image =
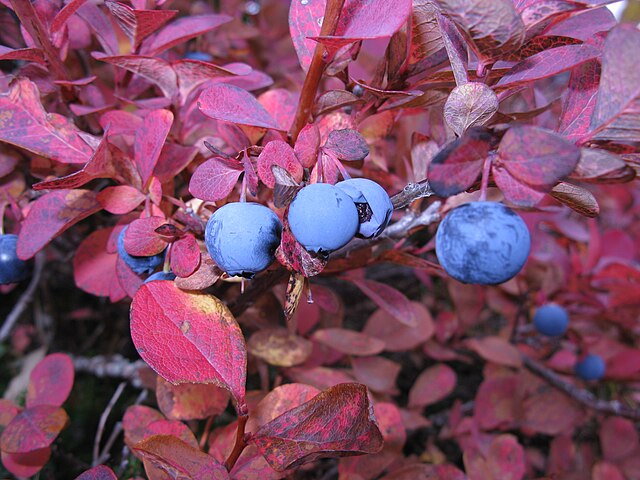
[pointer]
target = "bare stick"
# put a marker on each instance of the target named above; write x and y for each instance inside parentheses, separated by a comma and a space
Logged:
(113, 366)
(103, 421)
(25, 298)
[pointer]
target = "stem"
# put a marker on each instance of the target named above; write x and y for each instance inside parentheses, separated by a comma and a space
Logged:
(205, 433)
(312, 80)
(103, 422)
(240, 444)
(486, 170)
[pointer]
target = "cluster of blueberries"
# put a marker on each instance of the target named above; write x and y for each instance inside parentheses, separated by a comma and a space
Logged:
(552, 320)
(143, 265)
(242, 237)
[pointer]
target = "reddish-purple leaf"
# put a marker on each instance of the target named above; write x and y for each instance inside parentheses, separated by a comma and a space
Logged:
(34, 428)
(120, 199)
(584, 26)
(141, 238)
(149, 140)
(337, 422)
(618, 105)
(457, 166)
(279, 347)
(185, 256)
(182, 30)
(456, 49)
(200, 341)
(548, 63)
(319, 377)
(398, 337)
(389, 299)
(138, 24)
(24, 465)
(497, 403)
(377, 373)
(101, 472)
(504, 459)
(281, 154)
(349, 342)
(26, 124)
(539, 44)
(52, 214)
(25, 54)
(537, 157)
(63, 15)
(295, 257)
(347, 144)
(189, 401)
(537, 15)
(469, 105)
(580, 100)
(192, 73)
(432, 385)
(618, 438)
(281, 105)
(94, 268)
(214, 179)
(51, 381)
(235, 105)
(601, 166)
(497, 350)
(307, 145)
(135, 422)
(278, 401)
(178, 459)
(153, 69)
(514, 190)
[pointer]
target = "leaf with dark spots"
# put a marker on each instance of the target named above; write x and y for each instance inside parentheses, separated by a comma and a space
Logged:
(347, 145)
(618, 105)
(426, 38)
(101, 472)
(337, 422)
(295, 258)
(52, 214)
(468, 105)
(580, 100)
(537, 157)
(285, 186)
(456, 49)
(577, 198)
(279, 347)
(548, 63)
(24, 123)
(457, 166)
(539, 44)
(493, 27)
(278, 153)
(278, 401)
(33, 428)
(515, 191)
(200, 341)
(293, 294)
(214, 180)
(539, 14)
(25, 465)
(333, 100)
(51, 381)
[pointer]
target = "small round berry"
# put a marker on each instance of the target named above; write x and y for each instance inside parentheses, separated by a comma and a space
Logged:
(12, 269)
(161, 276)
(323, 218)
(591, 367)
(373, 204)
(138, 264)
(551, 320)
(242, 237)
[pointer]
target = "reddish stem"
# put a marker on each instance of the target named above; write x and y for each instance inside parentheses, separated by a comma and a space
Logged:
(240, 444)
(484, 185)
(205, 433)
(318, 64)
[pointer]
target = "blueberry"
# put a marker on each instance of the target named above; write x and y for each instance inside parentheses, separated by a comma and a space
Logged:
(323, 218)
(12, 269)
(591, 367)
(373, 204)
(484, 243)
(242, 238)
(139, 265)
(161, 276)
(551, 320)
(202, 56)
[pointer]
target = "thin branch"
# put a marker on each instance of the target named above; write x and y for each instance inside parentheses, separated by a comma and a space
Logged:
(25, 298)
(580, 395)
(411, 193)
(316, 69)
(113, 366)
(103, 421)
(239, 446)
(205, 434)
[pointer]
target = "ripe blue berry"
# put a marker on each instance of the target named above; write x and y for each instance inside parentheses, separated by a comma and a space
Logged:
(12, 269)
(242, 238)
(139, 265)
(323, 218)
(484, 243)
(591, 367)
(373, 204)
(161, 276)
(551, 320)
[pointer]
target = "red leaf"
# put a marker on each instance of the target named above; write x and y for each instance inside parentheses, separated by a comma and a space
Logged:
(618, 438)
(389, 299)
(155, 70)
(506, 458)
(295, 257)
(606, 471)
(281, 105)
(129, 281)
(138, 24)
(205, 275)
(135, 422)
(166, 321)
(185, 256)
(550, 412)
(26, 464)
(189, 401)
(235, 105)
(94, 268)
(192, 73)
(141, 238)
(101, 472)
(349, 342)
(436, 472)
(214, 179)
(539, 44)
(25, 54)
(26, 124)
(34, 428)
(432, 385)
(149, 140)
(456, 49)
(457, 166)
(537, 157)
(515, 191)
(337, 422)
(548, 63)
(600, 166)
(469, 105)
(50, 381)
(398, 337)
(120, 199)
(278, 401)
(377, 373)
(178, 459)
(279, 347)
(281, 154)
(616, 111)
(182, 30)
(347, 144)
(7, 411)
(307, 145)
(497, 350)
(497, 403)
(319, 377)
(52, 214)
(64, 14)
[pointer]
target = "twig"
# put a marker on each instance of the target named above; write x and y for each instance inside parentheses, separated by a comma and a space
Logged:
(318, 64)
(115, 366)
(411, 193)
(103, 421)
(25, 299)
(580, 395)
(241, 443)
(205, 433)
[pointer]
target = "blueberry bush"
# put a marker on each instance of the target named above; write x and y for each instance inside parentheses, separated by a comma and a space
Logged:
(318, 239)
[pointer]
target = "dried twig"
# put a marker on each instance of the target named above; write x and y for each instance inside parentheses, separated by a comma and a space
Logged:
(103, 421)
(113, 366)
